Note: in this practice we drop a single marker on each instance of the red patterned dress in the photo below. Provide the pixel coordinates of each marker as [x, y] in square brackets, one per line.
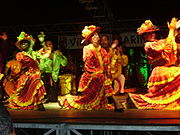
[94, 86]
[164, 82]
[29, 88]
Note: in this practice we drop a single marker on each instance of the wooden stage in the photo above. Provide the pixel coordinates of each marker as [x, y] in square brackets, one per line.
[65, 122]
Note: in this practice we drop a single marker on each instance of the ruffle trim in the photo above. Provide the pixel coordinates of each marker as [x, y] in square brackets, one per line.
[14, 98]
[90, 106]
[158, 104]
[170, 78]
[166, 100]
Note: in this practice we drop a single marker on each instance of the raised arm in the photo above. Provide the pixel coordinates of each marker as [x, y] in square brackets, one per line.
[171, 35]
[41, 38]
[172, 27]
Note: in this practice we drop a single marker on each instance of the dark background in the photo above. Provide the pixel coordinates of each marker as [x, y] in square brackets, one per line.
[61, 11]
[68, 17]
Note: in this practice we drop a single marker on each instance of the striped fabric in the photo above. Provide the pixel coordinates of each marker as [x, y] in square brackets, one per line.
[164, 82]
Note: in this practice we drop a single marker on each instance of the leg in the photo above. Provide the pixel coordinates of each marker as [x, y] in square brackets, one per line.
[130, 104]
[118, 106]
[122, 81]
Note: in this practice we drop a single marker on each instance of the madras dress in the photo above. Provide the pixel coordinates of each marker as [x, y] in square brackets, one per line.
[164, 82]
[94, 86]
[29, 88]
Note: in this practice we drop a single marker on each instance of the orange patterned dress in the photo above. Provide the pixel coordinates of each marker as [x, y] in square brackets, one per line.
[94, 86]
[164, 82]
[29, 88]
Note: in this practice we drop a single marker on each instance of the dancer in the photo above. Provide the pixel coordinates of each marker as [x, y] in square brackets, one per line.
[94, 86]
[164, 81]
[177, 40]
[50, 61]
[29, 89]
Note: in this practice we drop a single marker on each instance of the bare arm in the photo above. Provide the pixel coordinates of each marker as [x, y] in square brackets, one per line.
[171, 36]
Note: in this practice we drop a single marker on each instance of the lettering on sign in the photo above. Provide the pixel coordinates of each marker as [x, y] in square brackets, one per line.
[74, 42]
[131, 39]
[70, 42]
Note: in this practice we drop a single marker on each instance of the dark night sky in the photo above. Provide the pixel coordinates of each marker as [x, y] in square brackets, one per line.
[35, 13]
[62, 11]
[159, 10]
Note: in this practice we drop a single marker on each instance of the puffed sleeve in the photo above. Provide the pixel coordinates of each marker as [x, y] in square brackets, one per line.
[86, 53]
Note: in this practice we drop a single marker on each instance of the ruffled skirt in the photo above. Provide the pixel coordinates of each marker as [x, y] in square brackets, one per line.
[29, 93]
[163, 92]
[94, 90]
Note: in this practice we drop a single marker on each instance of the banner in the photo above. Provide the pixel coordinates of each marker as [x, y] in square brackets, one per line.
[74, 42]
[132, 39]
[70, 42]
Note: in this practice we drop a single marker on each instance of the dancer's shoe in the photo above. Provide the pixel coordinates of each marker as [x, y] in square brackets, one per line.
[119, 110]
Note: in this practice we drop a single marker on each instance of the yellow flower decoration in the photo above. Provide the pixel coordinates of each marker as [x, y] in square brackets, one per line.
[88, 30]
[147, 26]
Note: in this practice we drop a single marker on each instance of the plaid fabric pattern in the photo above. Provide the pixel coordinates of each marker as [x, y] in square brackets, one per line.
[164, 82]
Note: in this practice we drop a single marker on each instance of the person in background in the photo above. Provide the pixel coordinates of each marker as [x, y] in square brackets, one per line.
[4, 50]
[50, 61]
[118, 62]
[115, 61]
[105, 43]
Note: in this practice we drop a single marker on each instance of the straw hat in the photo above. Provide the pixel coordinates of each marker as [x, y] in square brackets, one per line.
[147, 26]
[23, 37]
[88, 31]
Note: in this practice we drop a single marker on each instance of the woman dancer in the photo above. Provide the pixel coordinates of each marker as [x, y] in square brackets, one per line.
[94, 86]
[164, 81]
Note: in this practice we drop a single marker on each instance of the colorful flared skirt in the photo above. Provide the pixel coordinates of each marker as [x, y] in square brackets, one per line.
[94, 90]
[163, 92]
[30, 92]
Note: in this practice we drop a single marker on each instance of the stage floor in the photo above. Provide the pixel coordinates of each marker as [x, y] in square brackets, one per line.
[65, 121]
[54, 114]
